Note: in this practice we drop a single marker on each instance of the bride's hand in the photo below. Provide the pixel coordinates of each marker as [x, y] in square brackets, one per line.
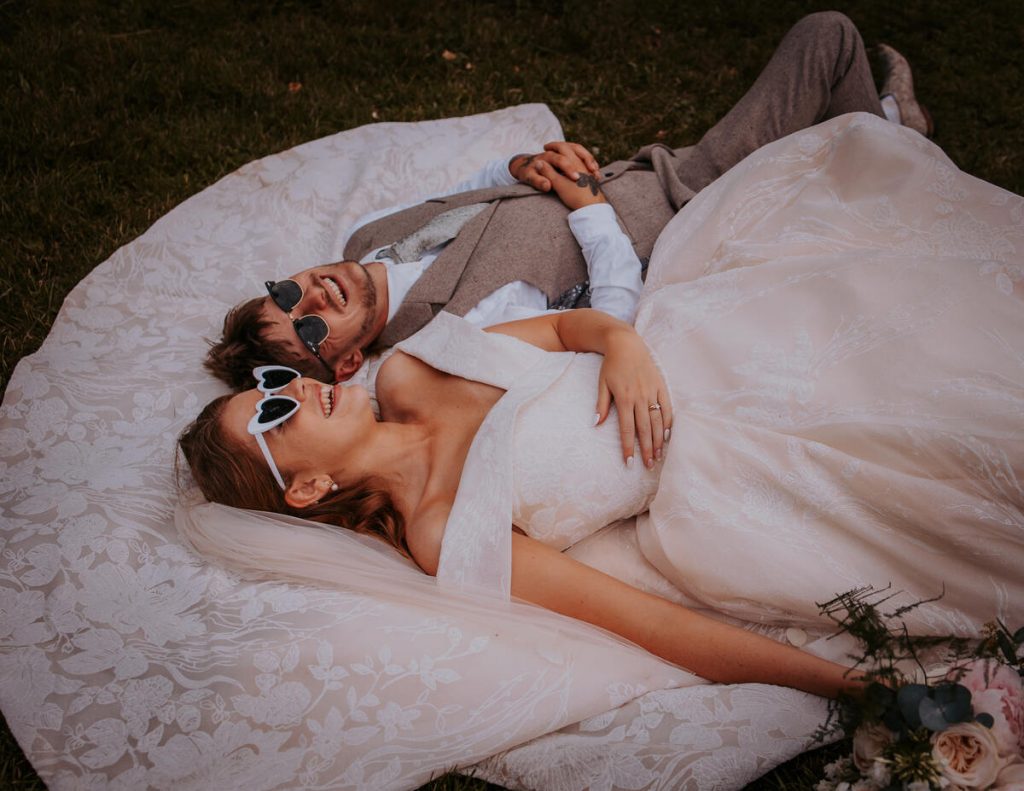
[630, 378]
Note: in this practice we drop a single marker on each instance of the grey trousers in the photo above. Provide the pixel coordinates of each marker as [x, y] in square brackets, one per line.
[818, 71]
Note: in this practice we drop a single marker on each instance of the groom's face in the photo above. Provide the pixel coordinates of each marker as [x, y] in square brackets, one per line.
[345, 296]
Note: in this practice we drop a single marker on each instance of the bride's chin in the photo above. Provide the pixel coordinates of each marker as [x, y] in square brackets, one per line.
[356, 399]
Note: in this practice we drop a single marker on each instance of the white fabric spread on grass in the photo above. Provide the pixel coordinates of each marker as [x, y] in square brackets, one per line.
[128, 662]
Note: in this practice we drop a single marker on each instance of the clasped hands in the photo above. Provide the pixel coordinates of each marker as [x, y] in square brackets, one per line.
[567, 168]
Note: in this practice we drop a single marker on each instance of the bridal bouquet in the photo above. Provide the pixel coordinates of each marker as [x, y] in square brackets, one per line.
[960, 726]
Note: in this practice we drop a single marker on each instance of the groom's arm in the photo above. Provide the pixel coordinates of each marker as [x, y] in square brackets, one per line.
[612, 263]
[504, 171]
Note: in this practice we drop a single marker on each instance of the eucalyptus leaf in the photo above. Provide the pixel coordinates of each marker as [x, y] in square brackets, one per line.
[946, 705]
[931, 716]
[893, 720]
[1018, 636]
[985, 719]
[909, 700]
[879, 694]
[1008, 648]
[955, 699]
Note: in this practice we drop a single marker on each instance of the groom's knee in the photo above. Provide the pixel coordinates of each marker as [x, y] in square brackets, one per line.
[825, 23]
[829, 33]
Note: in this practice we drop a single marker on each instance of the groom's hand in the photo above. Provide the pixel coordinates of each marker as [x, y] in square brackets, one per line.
[584, 190]
[571, 160]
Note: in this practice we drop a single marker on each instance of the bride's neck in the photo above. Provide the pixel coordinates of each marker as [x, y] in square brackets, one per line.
[398, 456]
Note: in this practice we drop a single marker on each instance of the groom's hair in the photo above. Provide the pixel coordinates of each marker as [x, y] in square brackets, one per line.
[243, 346]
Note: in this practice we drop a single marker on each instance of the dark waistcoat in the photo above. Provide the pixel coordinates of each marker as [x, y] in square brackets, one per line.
[522, 235]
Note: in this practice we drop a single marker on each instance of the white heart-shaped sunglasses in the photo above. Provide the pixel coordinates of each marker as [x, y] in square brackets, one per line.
[272, 410]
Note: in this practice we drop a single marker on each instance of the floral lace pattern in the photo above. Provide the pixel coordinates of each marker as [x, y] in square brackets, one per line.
[126, 661]
[841, 331]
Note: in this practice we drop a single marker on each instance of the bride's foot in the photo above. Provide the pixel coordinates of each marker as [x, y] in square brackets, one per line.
[898, 83]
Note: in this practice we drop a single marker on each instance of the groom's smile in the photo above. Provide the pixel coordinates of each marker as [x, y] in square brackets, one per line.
[351, 300]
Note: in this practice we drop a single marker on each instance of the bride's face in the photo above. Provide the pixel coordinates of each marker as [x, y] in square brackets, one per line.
[323, 432]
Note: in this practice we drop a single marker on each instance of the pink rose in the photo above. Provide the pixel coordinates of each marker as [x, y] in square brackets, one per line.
[968, 755]
[1011, 778]
[997, 690]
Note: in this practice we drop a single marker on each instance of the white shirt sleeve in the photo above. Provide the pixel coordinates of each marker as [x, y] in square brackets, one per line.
[493, 174]
[611, 261]
[513, 301]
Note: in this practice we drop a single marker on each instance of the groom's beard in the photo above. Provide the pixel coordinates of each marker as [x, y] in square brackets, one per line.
[369, 304]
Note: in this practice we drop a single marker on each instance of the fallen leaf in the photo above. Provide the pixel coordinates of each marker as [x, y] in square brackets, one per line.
[294, 87]
[449, 55]
[469, 66]
[375, 115]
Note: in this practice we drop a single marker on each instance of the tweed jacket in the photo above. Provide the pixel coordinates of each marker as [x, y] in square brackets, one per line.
[522, 235]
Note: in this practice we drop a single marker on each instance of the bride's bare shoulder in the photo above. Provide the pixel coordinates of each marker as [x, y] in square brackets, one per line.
[400, 375]
[397, 367]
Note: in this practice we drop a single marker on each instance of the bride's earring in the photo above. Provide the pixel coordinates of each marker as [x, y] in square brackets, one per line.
[334, 487]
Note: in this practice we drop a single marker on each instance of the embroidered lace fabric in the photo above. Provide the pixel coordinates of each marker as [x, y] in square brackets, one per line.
[127, 661]
[848, 394]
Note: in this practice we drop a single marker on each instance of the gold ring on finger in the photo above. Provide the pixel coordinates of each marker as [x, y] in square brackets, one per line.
[654, 408]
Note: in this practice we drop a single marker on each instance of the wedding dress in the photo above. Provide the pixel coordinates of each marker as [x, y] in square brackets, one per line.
[839, 321]
[847, 381]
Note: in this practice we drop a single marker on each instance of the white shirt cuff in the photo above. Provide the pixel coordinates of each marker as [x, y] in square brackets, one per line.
[613, 265]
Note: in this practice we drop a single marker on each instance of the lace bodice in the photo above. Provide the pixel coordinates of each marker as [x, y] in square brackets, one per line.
[568, 476]
[537, 461]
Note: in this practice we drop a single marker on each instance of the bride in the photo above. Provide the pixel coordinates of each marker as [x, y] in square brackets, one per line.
[832, 332]
[297, 446]
[840, 418]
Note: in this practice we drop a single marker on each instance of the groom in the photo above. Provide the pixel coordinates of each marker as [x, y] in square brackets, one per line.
[544, 231]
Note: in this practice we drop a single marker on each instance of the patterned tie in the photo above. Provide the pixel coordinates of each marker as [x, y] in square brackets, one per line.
[442, 228]
[578, 296]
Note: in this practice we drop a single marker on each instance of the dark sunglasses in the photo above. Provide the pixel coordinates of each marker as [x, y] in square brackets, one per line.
[311, 329]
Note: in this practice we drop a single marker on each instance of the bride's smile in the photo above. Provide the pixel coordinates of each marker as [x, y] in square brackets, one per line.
[325, 430]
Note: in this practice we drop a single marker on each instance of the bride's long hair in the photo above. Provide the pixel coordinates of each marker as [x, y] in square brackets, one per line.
[231, 474]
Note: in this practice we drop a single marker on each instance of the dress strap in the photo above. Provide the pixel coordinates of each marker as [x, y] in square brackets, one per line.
[476, 551]
[451, 344]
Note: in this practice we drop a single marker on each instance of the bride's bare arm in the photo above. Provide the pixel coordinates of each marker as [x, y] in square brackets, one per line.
[709, 648]
[584, 330]
[629, 376]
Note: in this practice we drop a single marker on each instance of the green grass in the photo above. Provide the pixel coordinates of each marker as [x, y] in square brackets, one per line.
[112, 113]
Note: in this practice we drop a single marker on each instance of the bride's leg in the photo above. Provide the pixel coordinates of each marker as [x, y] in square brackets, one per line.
[818, 71]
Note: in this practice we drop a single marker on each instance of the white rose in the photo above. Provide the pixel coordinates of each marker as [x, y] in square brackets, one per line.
[968, 754]
[1011, 778]
[868, 743]
[879, 774]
